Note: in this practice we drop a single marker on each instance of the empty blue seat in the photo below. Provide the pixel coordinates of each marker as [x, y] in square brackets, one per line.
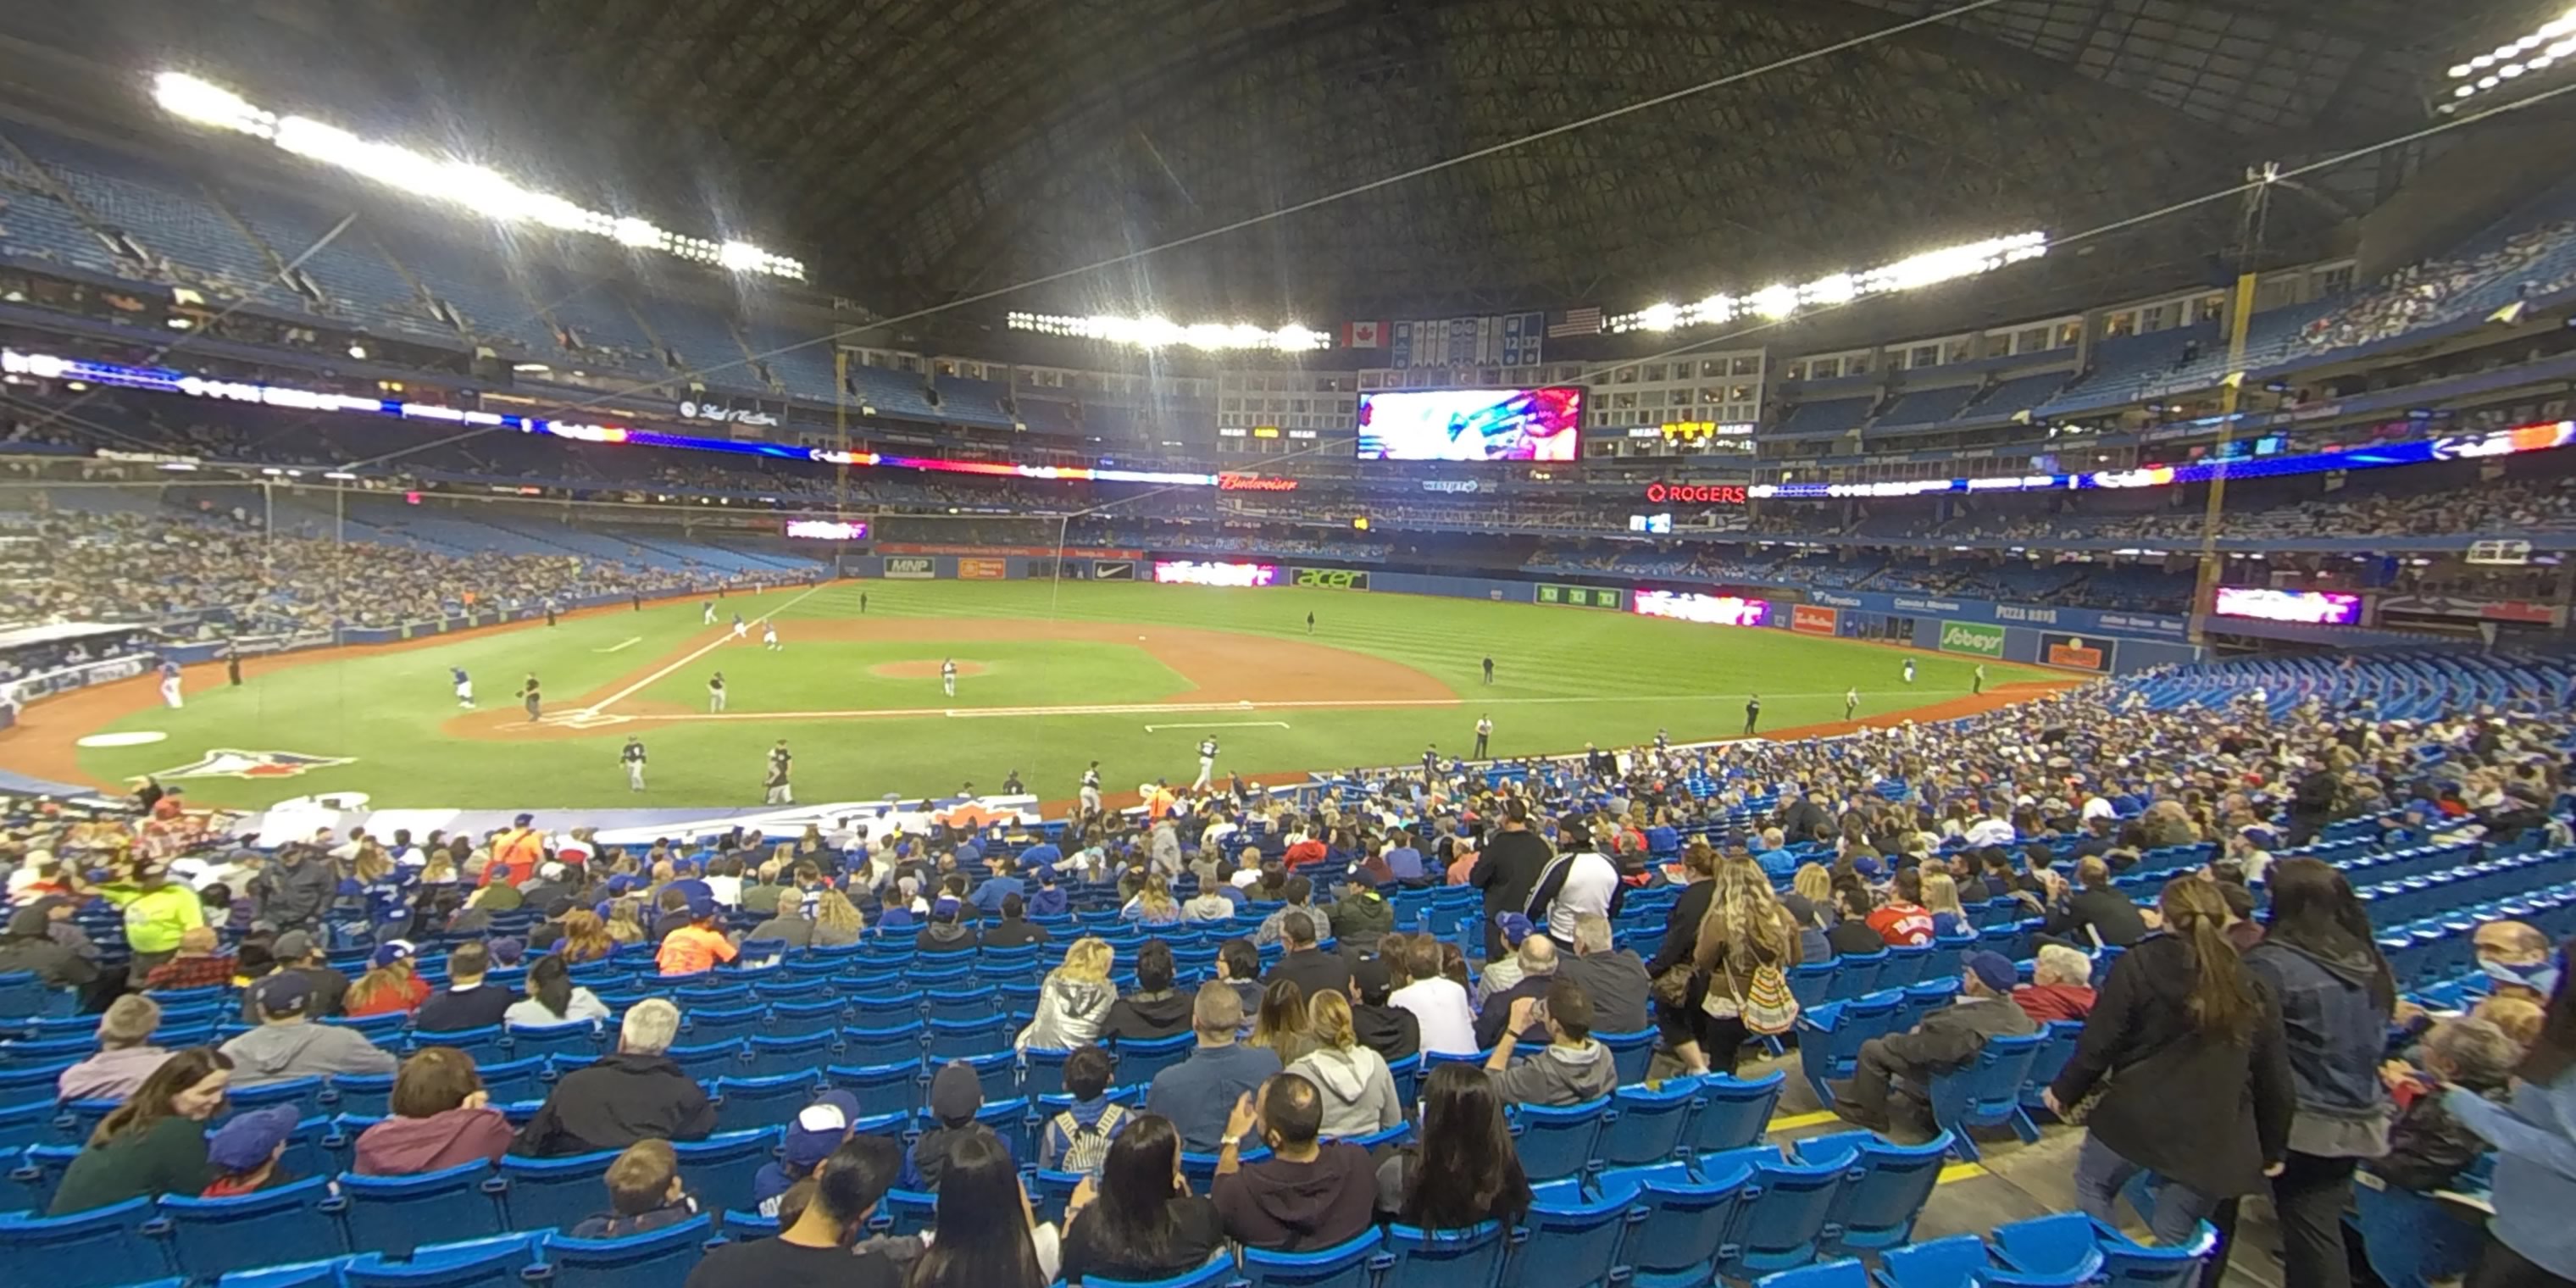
[498, 1261]
[1631, 1053]
[1731, 1113]
[394, 1213]
[1346, 1265]
[100, 1248]
[1646, 1123]
[208, 1237]
[725, 1024]
[1138, 1062]
[2050, 1062]
[953, 1039]
[367, 1094]
[1010, 1120]
[885, 1010]
[1785, 1221]
[2128, 1264]
[32, 1123]
[1885, 1186]
[1987, 1092]
[656, 1259]
[581, 1038]
[788, 1019]
[967, 1003]
[1856, 975]
[1684, 1219]
[1051, 1192]
[1959, 1261]
[1831, 1274]
[908, 1211]
[1420, 1258]
[553, 1193]
[881, 1088]
[721, 1167]
[1043, 1071]
[1556, 1142]
[709, 1061]
[745, 1104]
[2063, 1246]
[303, 1274]
[486, 1044]
[1574, 1240]
[521, 1079]
[303, 1093]
[33, 1175]
[799, 1054]
[883, 1045]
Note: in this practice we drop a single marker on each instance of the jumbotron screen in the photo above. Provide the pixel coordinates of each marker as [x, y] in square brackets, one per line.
[1708, 610]
[2318, 607]
[1193, 572]
[1472, 425]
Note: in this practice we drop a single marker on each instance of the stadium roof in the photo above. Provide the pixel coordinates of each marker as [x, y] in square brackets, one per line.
[915, 151]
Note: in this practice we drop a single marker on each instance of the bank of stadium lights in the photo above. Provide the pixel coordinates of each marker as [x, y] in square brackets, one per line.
[2552, 43]
[1782, 300]
[447, 179]
[1163, 333]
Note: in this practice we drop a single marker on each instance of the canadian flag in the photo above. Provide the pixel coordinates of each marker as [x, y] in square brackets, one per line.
[1364, 335]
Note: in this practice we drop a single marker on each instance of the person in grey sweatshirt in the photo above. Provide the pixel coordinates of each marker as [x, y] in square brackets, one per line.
[1357, 1089]
[288, 1044]
[1572, 1069]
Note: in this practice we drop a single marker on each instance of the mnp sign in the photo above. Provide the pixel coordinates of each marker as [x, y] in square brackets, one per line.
[1974, 638]
[1814, 619]
[911, 567]
[1332, 578]
[2081, 652]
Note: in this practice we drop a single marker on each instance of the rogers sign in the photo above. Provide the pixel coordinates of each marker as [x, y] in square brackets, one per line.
[1694, 494]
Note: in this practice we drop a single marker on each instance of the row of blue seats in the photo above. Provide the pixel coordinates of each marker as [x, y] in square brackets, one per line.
[2432, 949]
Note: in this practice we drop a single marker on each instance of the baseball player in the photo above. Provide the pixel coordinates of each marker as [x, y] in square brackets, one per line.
[1980, 685]
[633, 759]
[741, 628]
[948, 676]
[707, 613]
[530, 698]
[1851, 701]
[769, 635]
[170, 685]
[1091, 789]
[1909, 670]
[716, 692]
[780, 765]
[1484, 731]
[464, 687]
[1207, 763]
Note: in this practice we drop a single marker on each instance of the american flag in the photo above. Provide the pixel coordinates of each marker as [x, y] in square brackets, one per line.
[1582, 321]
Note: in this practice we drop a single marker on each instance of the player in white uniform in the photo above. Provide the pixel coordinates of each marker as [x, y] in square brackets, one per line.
[707, 613]
[769, 635]
[1091, 789]
[633, 759]
[948, 676]
[1207, 763]
[741, 628]
[1909, 670]
[781, 764]
[170, 686]
[716, 692]
[464, 687]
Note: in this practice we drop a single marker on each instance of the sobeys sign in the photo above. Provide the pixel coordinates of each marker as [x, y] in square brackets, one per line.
[1972, 637]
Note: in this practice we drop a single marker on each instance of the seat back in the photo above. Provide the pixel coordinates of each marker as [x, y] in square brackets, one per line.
[657, 1259]
[799, 1054]
[1831, 1274]
[722, 1167]
[521, 1079]
[1687, 1220]
[880, 1088]
[1631, 1053]
[2051, 1060]
[211, 1236]
[955, 1039]
[1138, 1062]
[1885, 1186]
[708, 1061]
[1215, 1274]
[486, 1044]
[392, 1214]
[1730, 1112]
[1574, 1238]
[303, 1093]
[1959, 1261]
[368, 1095]
[746, 1104]
[1987, 1091]
[2126, 1264]
[578, 1038]
[1786, 1221]
[1557, 1142]
[1419, 1258]
[99, 1248]
[1647, 1123]
[495, 1262]
[1346, 1265]
[553, 1193]
[1044, 1073]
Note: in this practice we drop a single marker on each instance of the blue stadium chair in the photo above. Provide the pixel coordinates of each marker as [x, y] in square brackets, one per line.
[659, 1259]
[1345, 1265]
[954, 1039]
[32, 1123]
[554, 1193]
[2050, 1062]
[579, 1038]
[100, 1248]
[1555, 1143]
[1004, 963]
[710, 1061]
[391, 1214]
[962, 1003]
[1420, 1258]
[727, 1024]
[1647, 1123]
[788, 1019]
[33, 1175]
[1011, 1121]
[885, 1045]
[1019, 999]
[486, 1044]
[1407, 1073]
[384, 1030]
[2063, 1246]
[521, 1079]
[22, 993]
[1217, 1273]
[1732, 1112]
[1885, 1186]
[1811, 983]
[1959, 1261]
[303, 1093]
[2128, 1264]
[1051, 1192]
[210, 1236]
[693, 998]
[1200, 1169]
[1832, 1274]
[1987, 1092]
[303, 1274]
[366, 1094]
[801, 1054]
[881, 1088]
[748, 1104]
[998, 1073]
[1383, 1137]
[1138, 1062]
[1904, 965]
[1573, 1238]
[722, 1167]
[20, 1084]
[498, 1261]
[1043, 1071]
[1683, 1219]
[740, 1225]
[1632, 1053]
[1830, 1038]
[21, 1052]
[908, 1211]
[1786, 1220]
[1856, 975]
[309, 1148]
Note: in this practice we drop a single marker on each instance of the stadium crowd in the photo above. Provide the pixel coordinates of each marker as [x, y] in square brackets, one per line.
[2423, 293]
[2236, 1042]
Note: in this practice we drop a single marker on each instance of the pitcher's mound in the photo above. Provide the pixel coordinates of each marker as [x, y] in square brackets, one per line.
[921, 670]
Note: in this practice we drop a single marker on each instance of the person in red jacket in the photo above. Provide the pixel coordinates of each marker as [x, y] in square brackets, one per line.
[1308, 850]
[2061, 986]
[1903, 921]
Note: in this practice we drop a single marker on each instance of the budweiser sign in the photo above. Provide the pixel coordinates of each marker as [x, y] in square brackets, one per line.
[1254, 483]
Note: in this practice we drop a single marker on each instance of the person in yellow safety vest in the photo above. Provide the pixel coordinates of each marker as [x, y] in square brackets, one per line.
[157, 912]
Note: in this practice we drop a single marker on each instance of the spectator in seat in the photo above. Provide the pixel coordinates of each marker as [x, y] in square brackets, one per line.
[199, 963]
[1903, 921]
[1852, 934]
[1360, 917]
[1077, 1138]
[837, 922]
[1536, 957]
[1358, 1089]
[29, 945]
[1508, 869]
[125, 1056]
[956, 1096]
[154, 1143]
[818, 1130]
[1014, 929]
[1238, 966]
[1279, 1027]
[1572, 1069]
[1308, 966]
[1134, 1220]
[1941, 899]
[467, 1002]
[1946, 1039]
[441, 1117]
[2515, 957]
[390, 985]
[158, 912]
[986, 1237]
[1209, 904]
[2060, 987]
[1613, 978]
[1572, 886]
[1438, 1003]
[2529, 1241]
[697, 946]
[2096, 913]
[298, 952]
[823, 1246]
[1310, 1193]
[1154, 1009]
[2427, 1148]
[243, 1153]
[1391, 1031]
[948, 930]
[553, 999]
[1050, 899]
[644, 1194]
[1464, 1170]
[288, 1044]
[1075, 1001]
[1195, 1093]
[636, 1093]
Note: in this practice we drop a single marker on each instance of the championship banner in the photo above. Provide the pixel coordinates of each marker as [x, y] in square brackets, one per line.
[910, 568]
[1972, 638]
[1809, 619]
[1113, 570]
[1330, 578]
[2079, 652]
[983, 569]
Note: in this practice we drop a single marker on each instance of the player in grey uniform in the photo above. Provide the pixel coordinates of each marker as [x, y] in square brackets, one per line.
[1207, 763]
[633, 759]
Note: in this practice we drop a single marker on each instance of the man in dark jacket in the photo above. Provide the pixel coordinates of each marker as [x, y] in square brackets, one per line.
[30, 946]
[1612, 977]
[635, 1094]
[2096, 910]
[1360, 917]
[1945, 1040]
[1508, 869]
[1155, 1009]
[295, 890]
[2312, 803]
[1391, 1031]
[1015, 928]
[1313, 969]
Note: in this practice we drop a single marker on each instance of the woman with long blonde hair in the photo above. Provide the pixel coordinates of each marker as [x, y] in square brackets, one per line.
[626, 921]
[585, 938]
[1744, 930]
[836, 919]
[1280, 1025]
[1153, 904]
[1941, 899]
[1357, 1088]
[1074, 1001]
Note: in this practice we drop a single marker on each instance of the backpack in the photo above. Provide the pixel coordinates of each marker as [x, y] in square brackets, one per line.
[1086, 1148]
[1769, 1008]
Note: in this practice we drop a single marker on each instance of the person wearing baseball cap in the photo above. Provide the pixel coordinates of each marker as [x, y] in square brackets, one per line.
[818, 1129]
[1895, 1071]
[697, 946]
[296, 951]
[243, 1153]
[288, 1044]
[956, 1096]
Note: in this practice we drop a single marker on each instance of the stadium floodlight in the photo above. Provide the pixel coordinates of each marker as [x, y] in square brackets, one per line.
[1160, 333]
[1782, 300]
[2509, 62]
[458, 182]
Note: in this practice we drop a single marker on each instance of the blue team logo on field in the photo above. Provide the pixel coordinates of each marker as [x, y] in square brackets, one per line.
[228, 762]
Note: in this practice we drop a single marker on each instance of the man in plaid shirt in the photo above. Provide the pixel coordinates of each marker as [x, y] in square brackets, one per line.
[197, 965]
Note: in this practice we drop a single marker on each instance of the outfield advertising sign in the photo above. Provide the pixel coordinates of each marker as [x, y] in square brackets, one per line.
[910, 567]
[983, 569]
[1332, 578]
[1972, 638]
[1810, 619]
[1581, 596]
[2080, 652]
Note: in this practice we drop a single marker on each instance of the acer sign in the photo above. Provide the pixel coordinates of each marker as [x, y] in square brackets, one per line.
[1694, 494]
[1253, 483]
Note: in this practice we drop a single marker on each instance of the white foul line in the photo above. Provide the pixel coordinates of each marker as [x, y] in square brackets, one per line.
[1224, 724]
[626, 643]
[1165, 708]
[701, 651]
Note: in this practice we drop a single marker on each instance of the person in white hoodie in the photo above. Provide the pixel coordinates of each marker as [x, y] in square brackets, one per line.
[1357, 1088]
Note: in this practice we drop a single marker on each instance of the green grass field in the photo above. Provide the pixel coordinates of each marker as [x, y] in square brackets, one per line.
[1565, 676]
